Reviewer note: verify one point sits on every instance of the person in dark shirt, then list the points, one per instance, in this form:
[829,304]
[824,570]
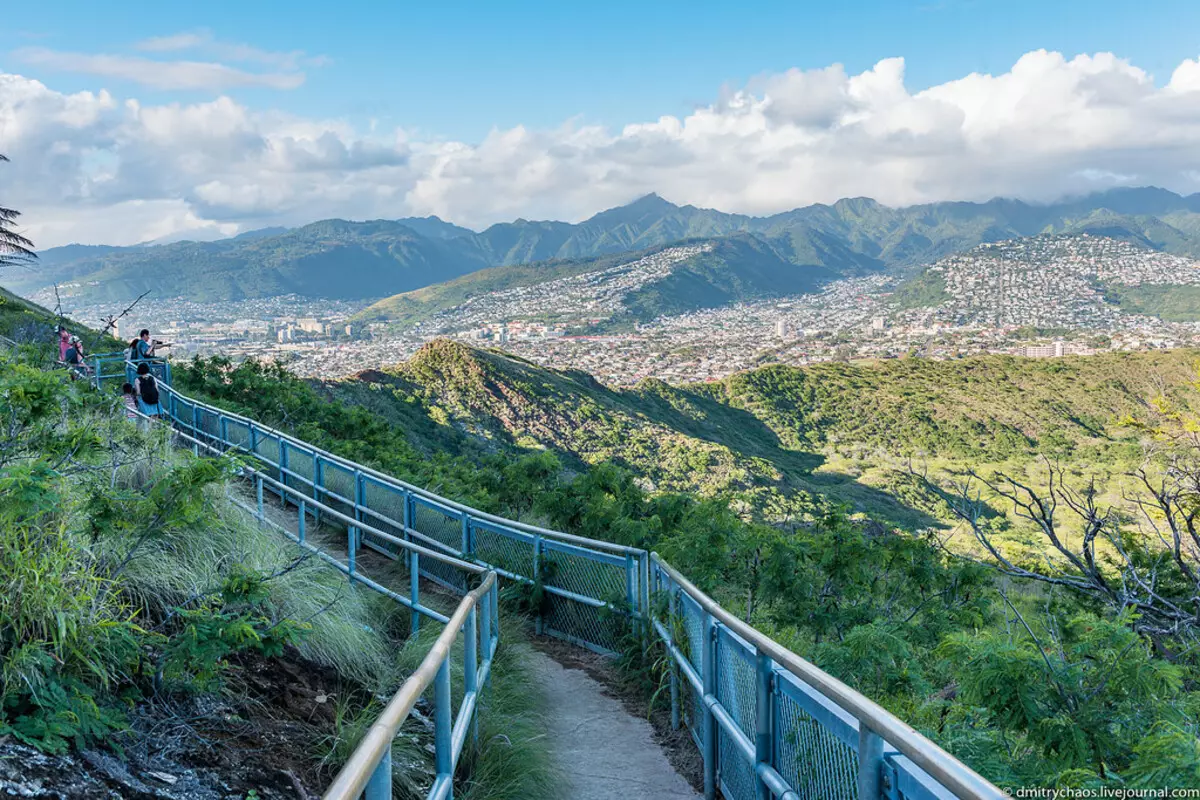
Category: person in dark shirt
[146,389]
[74,358]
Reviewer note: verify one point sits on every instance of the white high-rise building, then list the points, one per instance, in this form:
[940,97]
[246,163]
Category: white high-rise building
[781,329]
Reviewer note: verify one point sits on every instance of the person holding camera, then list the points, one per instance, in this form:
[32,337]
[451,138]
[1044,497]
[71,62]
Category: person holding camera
[142,348]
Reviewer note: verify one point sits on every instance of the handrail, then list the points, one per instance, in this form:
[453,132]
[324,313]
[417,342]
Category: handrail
[951,773]
[369,768]
[420,492]
[373,750]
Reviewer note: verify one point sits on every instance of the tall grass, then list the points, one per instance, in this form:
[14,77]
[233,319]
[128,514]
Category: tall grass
[513,760]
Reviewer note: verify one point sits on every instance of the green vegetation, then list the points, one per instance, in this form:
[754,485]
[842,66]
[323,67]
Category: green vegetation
[1033,683]
[15,249]
[1167,302]
[136,590]
[924,291]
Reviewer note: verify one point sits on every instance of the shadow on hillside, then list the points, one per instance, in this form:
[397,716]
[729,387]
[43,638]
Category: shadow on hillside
[876,503]
[710,420]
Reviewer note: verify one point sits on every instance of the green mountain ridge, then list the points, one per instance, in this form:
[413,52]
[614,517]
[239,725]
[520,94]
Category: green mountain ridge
[351,260]
[736,268]
[776,436]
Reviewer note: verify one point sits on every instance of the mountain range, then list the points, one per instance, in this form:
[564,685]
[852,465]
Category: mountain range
[358,260]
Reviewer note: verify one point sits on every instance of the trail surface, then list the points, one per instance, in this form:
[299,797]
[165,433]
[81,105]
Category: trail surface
[604,752]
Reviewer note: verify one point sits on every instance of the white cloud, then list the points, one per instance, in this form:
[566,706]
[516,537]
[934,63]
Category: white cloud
[203,41]
[180,75]
[91,167]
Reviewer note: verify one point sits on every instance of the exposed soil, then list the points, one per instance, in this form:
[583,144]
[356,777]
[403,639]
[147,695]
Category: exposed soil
[678,745]
[258,740]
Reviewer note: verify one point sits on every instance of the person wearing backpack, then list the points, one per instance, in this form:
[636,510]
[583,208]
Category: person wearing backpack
[146,388]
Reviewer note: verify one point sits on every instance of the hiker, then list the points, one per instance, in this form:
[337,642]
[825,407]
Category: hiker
[74,358]
[130,400]
[141,348]
[64,341]
[146,389]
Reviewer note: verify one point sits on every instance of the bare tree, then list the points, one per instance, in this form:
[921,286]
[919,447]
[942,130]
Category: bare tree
[110,322]
[1148,563]
[15,249]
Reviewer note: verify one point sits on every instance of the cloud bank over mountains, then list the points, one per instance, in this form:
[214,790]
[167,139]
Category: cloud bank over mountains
[93,167]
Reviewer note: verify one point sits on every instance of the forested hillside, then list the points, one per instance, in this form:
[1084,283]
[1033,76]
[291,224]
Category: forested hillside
[774,435]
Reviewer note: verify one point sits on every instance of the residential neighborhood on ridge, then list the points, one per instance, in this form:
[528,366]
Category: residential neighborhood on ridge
[1041,296]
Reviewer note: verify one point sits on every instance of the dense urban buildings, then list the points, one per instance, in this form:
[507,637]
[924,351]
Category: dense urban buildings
[1041,297]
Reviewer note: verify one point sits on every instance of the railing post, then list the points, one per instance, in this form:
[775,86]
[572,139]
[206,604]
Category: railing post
[224,432]
[249,425]
[537,578]
[414,588]
[495,615]
[763,742]
[443,723]
[470,667]
[466,536]
[258,492]
[485,626]
[630,584]
[670,626]
[870,763]
[708,663]
[360,502]
[380,785]
[283,469]
[300,529]
[318,482]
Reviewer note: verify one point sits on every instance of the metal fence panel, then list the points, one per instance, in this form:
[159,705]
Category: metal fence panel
[601,591]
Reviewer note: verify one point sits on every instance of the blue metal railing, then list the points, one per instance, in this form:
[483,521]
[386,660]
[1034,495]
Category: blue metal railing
[767,722]
[476,621]
[592,590]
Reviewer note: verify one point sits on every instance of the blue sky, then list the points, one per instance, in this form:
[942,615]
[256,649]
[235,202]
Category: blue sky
[457,69]
[135,121]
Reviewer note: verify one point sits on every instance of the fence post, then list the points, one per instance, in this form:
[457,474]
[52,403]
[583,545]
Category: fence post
[360,502]
[224,432]
[283,469]
[414,588]
[496,615]
[442,722]
[380,785]
[870,763]
[763,743]
[467,544]
[318,482]
[470,666]
[670,626]
[708,663]
[485,626]
[258,491]
[300,529]
[537,578]
[250,425]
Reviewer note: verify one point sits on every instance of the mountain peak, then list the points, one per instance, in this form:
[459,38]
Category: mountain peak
[645,209]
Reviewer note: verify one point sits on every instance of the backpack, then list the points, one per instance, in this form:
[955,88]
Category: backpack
[149,390]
